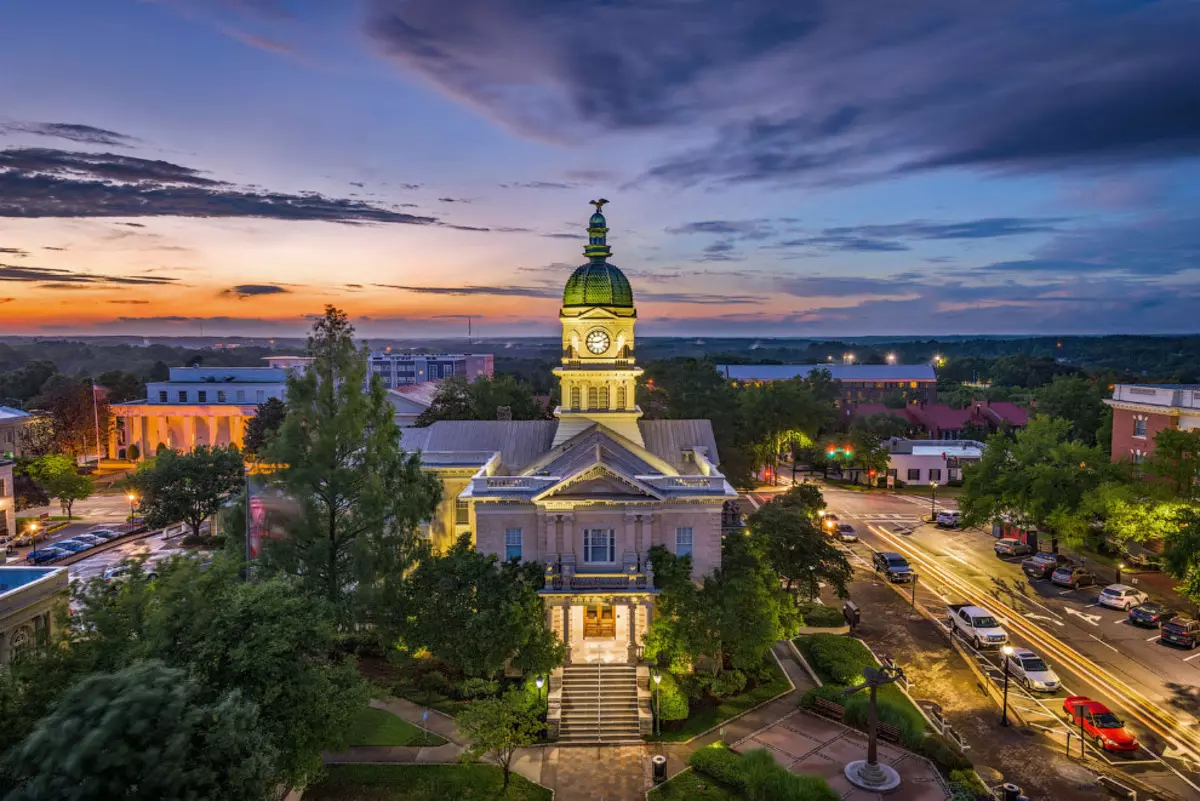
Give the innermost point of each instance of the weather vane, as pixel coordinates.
(598, 203)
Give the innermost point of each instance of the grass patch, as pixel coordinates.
(703, 719)
(380, 727)
(820, 615)
(692, 786)
(422, 783)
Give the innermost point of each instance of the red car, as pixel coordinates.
(1099, 723)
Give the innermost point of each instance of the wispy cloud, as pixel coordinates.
(255, 290)
(84, 134)
(29, 274)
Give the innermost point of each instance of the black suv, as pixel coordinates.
(1181, 631)
(894, 566)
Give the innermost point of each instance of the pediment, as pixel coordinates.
(597, 483)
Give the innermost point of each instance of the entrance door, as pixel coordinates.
(599, 622)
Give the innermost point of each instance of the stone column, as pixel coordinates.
(190, 424)
(638, 539)
(566, 631)
(632, 626)
(143, 439)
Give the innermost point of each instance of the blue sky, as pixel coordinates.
(774, 168)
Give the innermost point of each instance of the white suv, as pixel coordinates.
(1122, 596)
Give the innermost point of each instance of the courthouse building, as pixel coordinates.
(588, 493)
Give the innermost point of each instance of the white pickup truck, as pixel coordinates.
(977, 626)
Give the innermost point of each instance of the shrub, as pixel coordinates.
(767, 780)
(841, 659)
(718, 762)
(696, 685)
(730, 682)
(435, 681)
(672, 701)
(965, 786)
(821, 615)
(478, 688)
(893, 708)
(944, 755)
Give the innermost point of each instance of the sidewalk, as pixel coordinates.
(403, 708)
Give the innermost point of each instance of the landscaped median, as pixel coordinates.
(694, 704)
(719, 774)
(422, 783)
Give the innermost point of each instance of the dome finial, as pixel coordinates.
(599, 204)
(597, 247)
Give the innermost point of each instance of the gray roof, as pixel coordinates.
(667, 439)
(518, 441)
(840, 372)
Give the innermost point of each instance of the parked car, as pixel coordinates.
(1180, 631)
(847, 533)
(72, 545)
(42, 556)
(1032, 671)
(1098, 722)
(949, 519)
(977, 625)
(1042, 565)
(1151, 614)
(88, 539)
(1073, 576)
(1122, 596)
(894, 566)
(122, 572)
(1010, 547)
(105, 533)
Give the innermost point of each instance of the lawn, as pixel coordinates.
(693, 786)
(380, 727)
(422, 783)
(702, 720)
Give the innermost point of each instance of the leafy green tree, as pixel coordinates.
(121, 386)
(475, 613)
(59, 477)
(883, 426)
(497, 727)
(778, 413)
(750, 611)
(1174, 465)
(145, 732)
(1181, 559)
(264, 425)
(1076, 399)
(871, 455)
(482, 399)
(453, 401)
(786, 530)
(360, 499)
(73, 410)
(188, 487)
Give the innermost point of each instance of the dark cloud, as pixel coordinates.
(50, 247)
(60, 278)
(539, 185)
(255, 290)
(453, 200)
(18, 252)
(37, 182)
(359, 184)
(84, 134)
(517, 291)
(130, 302)
(846, 242)
(132, 224)
(699, 298)
(821, 91)
(737, 229)
(890, 237)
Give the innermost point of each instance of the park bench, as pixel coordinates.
(887, 732)
(828, 709)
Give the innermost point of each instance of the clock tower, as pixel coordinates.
(598, 374)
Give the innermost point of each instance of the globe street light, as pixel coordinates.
(933, 500)
(132, 506)
(1008, 652)
(540, 681)
(1120, 567)
(657, 711)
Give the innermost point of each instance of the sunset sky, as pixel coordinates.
(786, 168)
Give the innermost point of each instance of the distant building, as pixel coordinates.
(12, 424)
(859, 382)
(28, 597)
(943, 422)
(1140, 411)
(411, 400)
(195, 406)
(923, 461)
(8, 520)
(402, 369)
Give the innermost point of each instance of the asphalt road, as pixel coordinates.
(154, 548)
(99, 511)
(1153, 687)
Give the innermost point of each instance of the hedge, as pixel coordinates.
(944, 755)
(820, 615)
(718, 762)
(758, 776)
(673, 702)
(965, 786)
(842, 659)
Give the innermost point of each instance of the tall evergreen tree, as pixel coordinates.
(360, 499)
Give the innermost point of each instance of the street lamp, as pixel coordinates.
(891, 358)
(1120, 567)
(932, 500)
(657, 711)
(33, 527)
(540, 681)
(1007, 651)
(132, 506)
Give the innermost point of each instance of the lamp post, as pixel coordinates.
(1007, 651)
(132, 506)
(932, 500)
(33, 527)
(1120, 567)
(869, 774)
(540, 681)
(657, 711)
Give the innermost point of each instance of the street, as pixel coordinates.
(98, 511)
(1097, 653)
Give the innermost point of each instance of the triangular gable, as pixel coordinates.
(597, 481)
(588, 438)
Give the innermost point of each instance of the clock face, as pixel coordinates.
(597, 341)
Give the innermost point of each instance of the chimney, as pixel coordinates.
(503, 412)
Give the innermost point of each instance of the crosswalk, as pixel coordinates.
(878, 517)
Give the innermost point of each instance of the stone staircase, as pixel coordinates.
(599, 704)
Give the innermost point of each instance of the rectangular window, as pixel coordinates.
(914, 474)
(220, 396)
(183, 396)
(162, 396)
(241, 395)
(1139, 427)
(512, 544)
(683, 542)
(935, 474)
(1138, 457)
(201, 396)
(260, 395)
(462, 513)
(599, 546)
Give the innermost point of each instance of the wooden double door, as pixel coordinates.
(599, 622)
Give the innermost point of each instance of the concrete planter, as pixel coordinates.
(843, 629)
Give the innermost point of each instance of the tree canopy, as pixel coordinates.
(187, 486)
(58, 476)
(482, 399)
(789, 536)
(264, 425)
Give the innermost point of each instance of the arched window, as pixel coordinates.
(575, 399)
(593, 394)
(602, 398)
(621, 397)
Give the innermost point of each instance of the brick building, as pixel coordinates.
(1140, 411)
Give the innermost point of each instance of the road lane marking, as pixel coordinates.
(1152, 639)
(1106, 645)
(1036, 616)
(1190, 658)
(1093, 619)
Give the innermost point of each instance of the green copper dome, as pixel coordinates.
(598, 283)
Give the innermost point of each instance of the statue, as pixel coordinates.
(599, 204)
(869, 774)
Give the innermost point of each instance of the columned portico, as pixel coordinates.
(601, 628)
